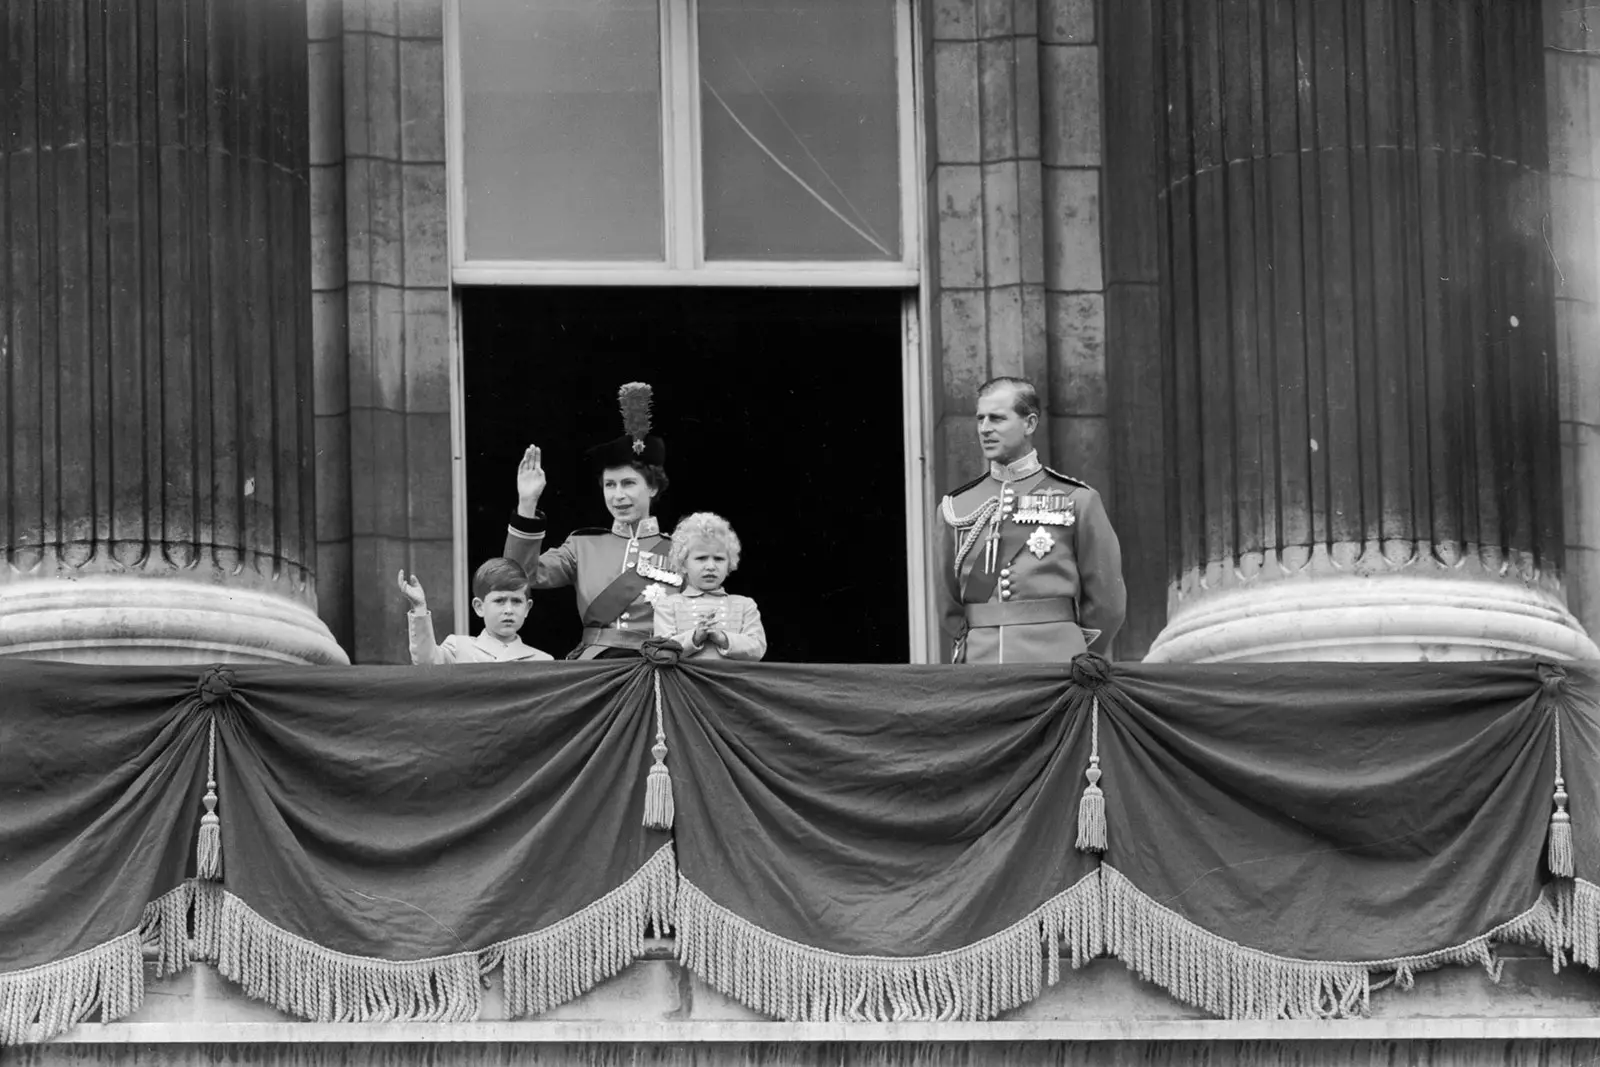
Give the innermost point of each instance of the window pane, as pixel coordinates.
(799, 129)
(561, 103)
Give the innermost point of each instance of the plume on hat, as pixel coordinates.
(634, 398)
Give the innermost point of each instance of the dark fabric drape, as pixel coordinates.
(100, 778)
(1308, 812)
(868, 812)
(380, 813)
(845, 842)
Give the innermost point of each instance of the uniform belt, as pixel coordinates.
(1022, 612)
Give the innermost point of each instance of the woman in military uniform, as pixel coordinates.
(619, 572)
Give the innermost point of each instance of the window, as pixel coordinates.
(683, 142)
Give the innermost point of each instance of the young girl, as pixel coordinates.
(705, 615)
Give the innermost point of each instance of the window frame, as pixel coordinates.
(683, 234)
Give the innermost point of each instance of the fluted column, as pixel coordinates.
(1359, 332)
(155, 333)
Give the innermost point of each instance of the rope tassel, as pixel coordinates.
(658, 808)
(208, 848)
(1560, 848)
(1092, 808)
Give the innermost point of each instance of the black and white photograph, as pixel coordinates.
(869, 533)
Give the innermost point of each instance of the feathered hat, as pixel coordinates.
(636, 445)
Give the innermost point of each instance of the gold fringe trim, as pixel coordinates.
(1570, 931)
(44, 1001)
(565, 960)
(166, 930)
(541, 969)
(303, 978)
(1232, 981)
(41, 1002)
(791, 981)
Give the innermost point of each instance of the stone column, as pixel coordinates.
(1133, 361)
(1359, 332)
(155, 333)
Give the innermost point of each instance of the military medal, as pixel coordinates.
(1046, 509)
(648, 568)
(1040, 542)
(654, 592)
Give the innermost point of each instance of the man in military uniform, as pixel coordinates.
(1030, 569)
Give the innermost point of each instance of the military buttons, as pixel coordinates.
(1005, 594)
(1005, 572)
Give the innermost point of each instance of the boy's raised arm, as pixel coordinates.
(425, 651)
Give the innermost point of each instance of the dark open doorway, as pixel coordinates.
(781, 411)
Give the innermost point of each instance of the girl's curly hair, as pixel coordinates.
(708, 527)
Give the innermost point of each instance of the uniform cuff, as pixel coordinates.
(529, 528)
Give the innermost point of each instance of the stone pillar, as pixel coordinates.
(325, 62)
(1075, 322)
(1572, 81)
(1359, 333)
(396, 412)
(1133, 362)
(155, 334)
(987, 236)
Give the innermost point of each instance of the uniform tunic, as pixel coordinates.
(590, 560)
(1030, 569)
(679, 615)
(484, 648)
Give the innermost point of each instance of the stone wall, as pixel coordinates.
(1572, 88)
(1012, 95)
(382, 284)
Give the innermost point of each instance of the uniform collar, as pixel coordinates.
(1010, 472)
(719, 591)
(650, 527)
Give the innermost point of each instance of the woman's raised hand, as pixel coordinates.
(530, 481)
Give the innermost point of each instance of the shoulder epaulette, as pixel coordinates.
(958, 490)
(1069, 479)
(589, 531)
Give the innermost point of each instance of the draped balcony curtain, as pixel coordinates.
(823, 842)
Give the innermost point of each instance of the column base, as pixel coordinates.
(126, 620)
(1372, 620)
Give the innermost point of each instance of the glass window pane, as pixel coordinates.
(561, 108)
(799, 129)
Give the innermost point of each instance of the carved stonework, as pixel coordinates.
(1358, 316)
(156, 416)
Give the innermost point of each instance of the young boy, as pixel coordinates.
(705, 615)
(499, 596)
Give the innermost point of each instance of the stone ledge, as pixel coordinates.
(613, 1033)
(148, 620)
(656, 1000)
